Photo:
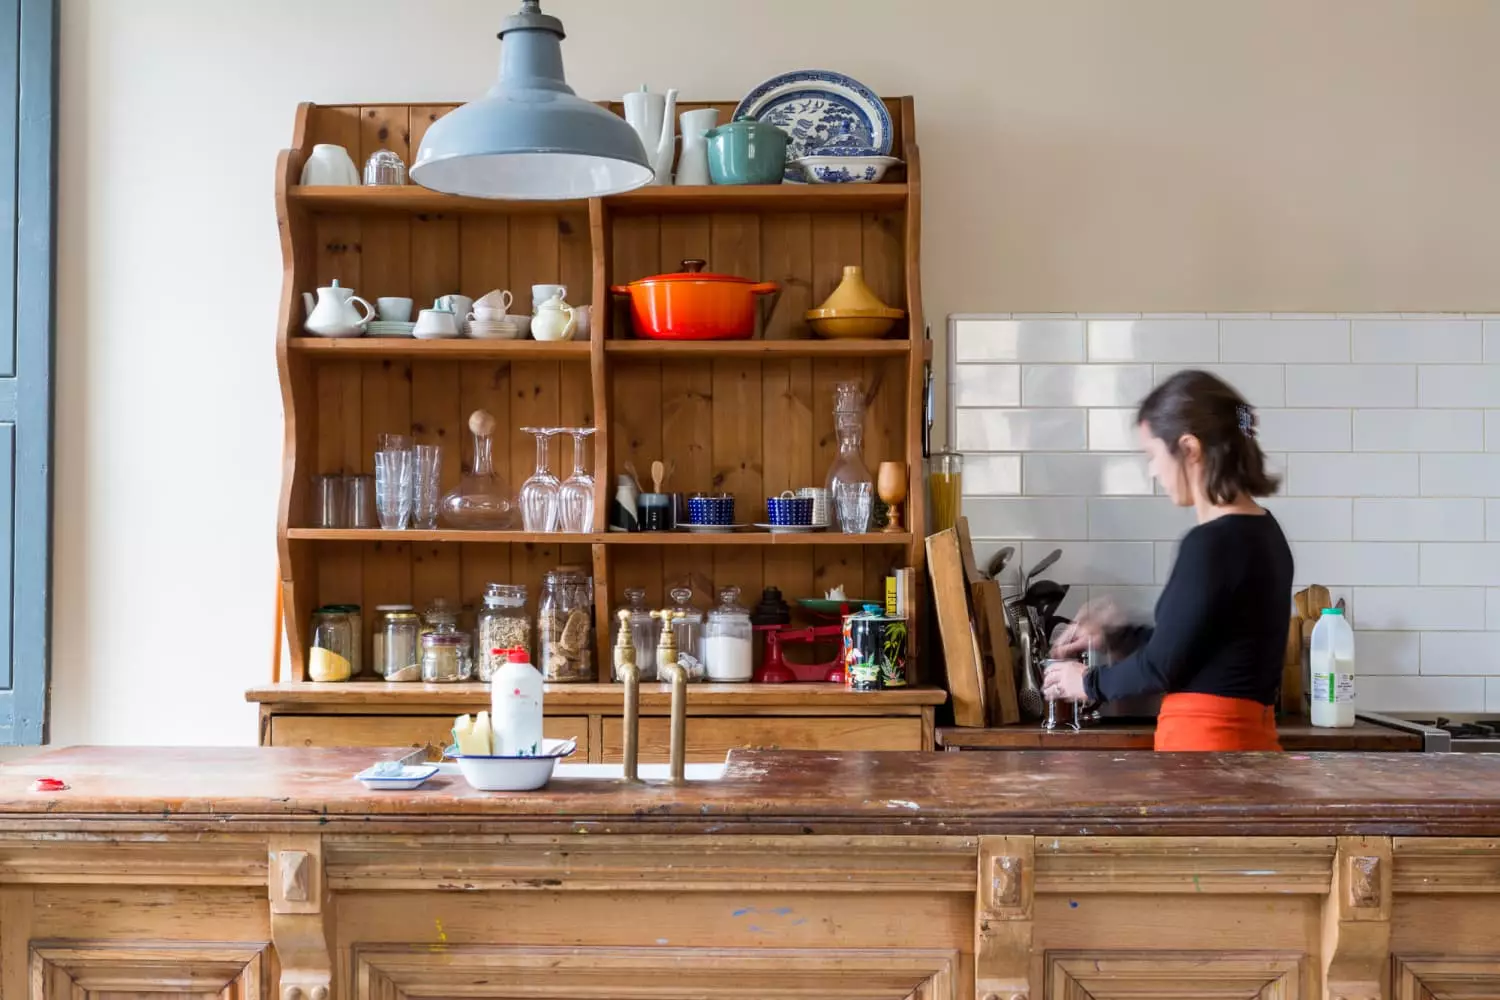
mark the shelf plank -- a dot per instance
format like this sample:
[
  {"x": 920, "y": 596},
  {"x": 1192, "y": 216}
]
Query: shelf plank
[
  {"x": 410, "y": 347},
  {"x": 744, "y": 538},
  {"x": 646, "y": 200},
  {"x": 352, "y": 696},
  {"x": 754, "y": 349}
]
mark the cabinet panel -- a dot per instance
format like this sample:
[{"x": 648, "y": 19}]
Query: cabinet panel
[
  {"x": 709, "y": 739},
  {"x": 114, "y": 971},
  {"x": 398, "y": 730}
]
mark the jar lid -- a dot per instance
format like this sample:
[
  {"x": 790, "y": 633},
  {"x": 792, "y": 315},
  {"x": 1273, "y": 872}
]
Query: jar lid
[
  {"x": 393, "y": 607},
  {"x": 729, "y": 606},
  {"x": 347, "y": 609},
  {"x": 402, "y": 616},
  {"x": 504, "y": 594},
  {"x": 445, "y": 639}
]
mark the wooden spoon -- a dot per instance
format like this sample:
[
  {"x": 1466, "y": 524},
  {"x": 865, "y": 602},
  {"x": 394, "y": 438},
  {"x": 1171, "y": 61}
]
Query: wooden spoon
[{"x": 658, "y": 472}]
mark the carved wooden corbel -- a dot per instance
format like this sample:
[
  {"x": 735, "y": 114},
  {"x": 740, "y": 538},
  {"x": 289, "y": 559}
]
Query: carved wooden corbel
[
  {"x": 299, "y": 917},
  {"x": 1003, "y": 913},
  {"x": 1357, "y": 920}
]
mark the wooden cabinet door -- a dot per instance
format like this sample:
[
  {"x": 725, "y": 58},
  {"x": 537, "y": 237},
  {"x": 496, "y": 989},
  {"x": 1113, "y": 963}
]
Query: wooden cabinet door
[
  {"x": 710, "y": 738},
  {"x": 399, "y": 731},
  {"x": 99, "y": 970}
]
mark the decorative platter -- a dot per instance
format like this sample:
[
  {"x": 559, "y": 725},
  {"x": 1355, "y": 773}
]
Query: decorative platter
[{"x": 824, "y": 114}]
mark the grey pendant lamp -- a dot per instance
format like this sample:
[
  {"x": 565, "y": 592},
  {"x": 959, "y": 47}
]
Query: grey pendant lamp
[{"x": 531, "y": 137}]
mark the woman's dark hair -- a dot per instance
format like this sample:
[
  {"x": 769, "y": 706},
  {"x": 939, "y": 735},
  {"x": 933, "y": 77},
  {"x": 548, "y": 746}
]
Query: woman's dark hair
[{"x": 1203, "y": 405}]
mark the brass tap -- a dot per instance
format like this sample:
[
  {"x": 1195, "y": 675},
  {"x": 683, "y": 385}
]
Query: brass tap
[
  {"x": 668, "y": 669},
  {"x": 628, "y": 672}
]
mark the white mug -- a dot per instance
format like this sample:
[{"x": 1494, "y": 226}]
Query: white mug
[
  {"x": 486, "y": 313},
  {"x": 435, "y": 324},
  {"x": 394, "y": 310},
  {"x": 541, "y": 293},
  {"x": 497, "y": 300}
]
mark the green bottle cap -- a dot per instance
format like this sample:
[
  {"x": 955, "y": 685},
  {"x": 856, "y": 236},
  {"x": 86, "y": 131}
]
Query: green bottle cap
[{"x": 1334, "y": 611}]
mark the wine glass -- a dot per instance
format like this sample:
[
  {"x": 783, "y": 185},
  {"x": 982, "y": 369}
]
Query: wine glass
[
  {"x": 539, "y": 493},
  {"x": 891, "y": 482},
  {"x": 576, "y": 496}
]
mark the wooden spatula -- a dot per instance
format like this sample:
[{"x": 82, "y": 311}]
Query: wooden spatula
[{"x": 658, "y": 473}]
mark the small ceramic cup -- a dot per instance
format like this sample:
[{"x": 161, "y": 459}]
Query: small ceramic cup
[
  {"x": 435, "y": 324},
  {"x": 460, "y": 306},
  {"x": 393, "y": 310},
  {"x": 789, "y": 510},
  {"x": 486, "y": 314},
  {"x": 821, "y": 505},
  {"x": 541, "y": 293},
  {"x": 498, "y": 299}
]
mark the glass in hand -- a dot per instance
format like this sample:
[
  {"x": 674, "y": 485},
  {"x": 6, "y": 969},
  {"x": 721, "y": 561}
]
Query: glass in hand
[
  {"x": 539, "y": 494},
  {"x": 576, "y": 495}
]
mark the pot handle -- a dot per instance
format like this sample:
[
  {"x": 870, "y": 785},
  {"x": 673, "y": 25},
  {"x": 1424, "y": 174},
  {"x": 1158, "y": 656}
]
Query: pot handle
[
  {"x": 772, "y": 289},
  {"x": 619, "y": 289}
]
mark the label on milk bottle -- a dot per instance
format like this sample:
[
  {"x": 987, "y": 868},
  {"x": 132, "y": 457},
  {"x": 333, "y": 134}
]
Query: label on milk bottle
[{"x": 1333, "y": 689}]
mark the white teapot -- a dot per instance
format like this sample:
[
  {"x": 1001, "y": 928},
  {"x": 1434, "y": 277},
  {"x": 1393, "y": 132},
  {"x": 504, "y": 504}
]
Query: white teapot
[
  {"x": 554, "y": 320},
  {"x": 333, "y": 313}
]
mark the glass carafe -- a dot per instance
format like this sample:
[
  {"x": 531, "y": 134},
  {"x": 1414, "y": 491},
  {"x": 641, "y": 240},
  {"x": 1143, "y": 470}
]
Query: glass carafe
[
  {"x": 482, "y": 501},
  {"x": 575, "y": 500},
  {"x": 539, "y": 494},
  {"x": 849, "y": 425}
]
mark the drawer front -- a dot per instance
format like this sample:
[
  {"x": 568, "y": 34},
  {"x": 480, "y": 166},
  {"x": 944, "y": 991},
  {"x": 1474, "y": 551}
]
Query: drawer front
[
  {"x": 398, "y": 731},
  {"x": 709, "y": 739}
]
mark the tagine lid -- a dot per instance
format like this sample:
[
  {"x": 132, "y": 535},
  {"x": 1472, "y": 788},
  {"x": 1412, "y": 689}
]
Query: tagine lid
[{"x": 853, "y": 295}]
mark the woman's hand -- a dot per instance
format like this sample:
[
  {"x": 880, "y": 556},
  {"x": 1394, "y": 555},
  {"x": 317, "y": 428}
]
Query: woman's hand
[
  {"x": 1064, "y": 681},
  {"x": 1089, "y": 628}
]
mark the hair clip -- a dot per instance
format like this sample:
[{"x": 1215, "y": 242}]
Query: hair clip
[{"x": 1247, "y": 419}]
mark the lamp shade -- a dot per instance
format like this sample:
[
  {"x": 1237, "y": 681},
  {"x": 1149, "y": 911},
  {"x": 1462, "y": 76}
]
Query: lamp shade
[{"x": 531, "y": 137}]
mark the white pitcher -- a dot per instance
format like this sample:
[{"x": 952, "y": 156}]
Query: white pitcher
[
  {"x": 692, "y": 162},
  {"x": 334, "y": 313},
  {"x": 651, "y": 115},
  {"x": 553, "y": 320},
  {"x": 328, "y": 164}
]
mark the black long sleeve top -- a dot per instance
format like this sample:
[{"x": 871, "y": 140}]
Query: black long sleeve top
[{"x": 1220, "y": 623}]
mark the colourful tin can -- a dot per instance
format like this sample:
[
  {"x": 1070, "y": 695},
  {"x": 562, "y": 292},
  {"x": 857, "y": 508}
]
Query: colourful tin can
[{"x": 874, "y": 650}]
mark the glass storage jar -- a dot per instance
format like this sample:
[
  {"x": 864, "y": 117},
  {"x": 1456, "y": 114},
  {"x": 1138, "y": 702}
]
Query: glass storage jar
[
  {"x": 503, "y": 625},
  {"x": 565, "y": 643},
  {"x": 330, "y": 655},
  {"x": 445, "y": 657},
  {"x": 687, "y": 631},
  {"x": 377, "y": 635},
  {"x": 397, "y": 645},
  {"x": 357, "y": 636},
  {"x": 645, "y": 632},
  {"x": 727, "y": 640}
]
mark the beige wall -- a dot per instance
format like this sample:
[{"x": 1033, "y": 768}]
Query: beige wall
[{"x": 1144, "y": 155}]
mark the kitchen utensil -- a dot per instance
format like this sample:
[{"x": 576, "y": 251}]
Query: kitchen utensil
[
  {"x": 853, "y": 310},
  {"x": 553, "y": 320},
  {"x": 539, "y": 494},
  {"x": 329, "y": 506},
  {"x": 823, "y": 113},
  {"x": 384, "y": 167},
  {"x": 393, "y": 309},
  {"x": 854, "y": 503},
  {"x": 658, "y": 471},
  {"x": 1046, "y": 562},
  {"x": 481, "y": 501},
  {"x": 693, "y": 304},
  {"x": 427, "y": 467},
  {"x": 745, "y": 151},
  {"x": 844, "y": 169},
  {"x": 334, "y": 313},
  {"x": 575, "y": 498},
  {"x": 692, "y": 158},
  {"x": 435, "y": 324},
  {"x": 393, "y": 483},
  {"x": 359, "y": 494},
  {"x": 788, "y": 510},
  {"x": 328, "y": 165},
  {"x": 891, "y": 480},
  {"x": 651, "y": 115}
]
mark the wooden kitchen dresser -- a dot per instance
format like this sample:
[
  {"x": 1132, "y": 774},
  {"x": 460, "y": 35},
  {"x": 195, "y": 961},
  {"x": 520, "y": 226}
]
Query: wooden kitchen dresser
[{"x": 748, "y": 417}]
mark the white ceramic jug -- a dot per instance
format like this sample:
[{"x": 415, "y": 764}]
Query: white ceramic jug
[
  {"x": 333, "y": 314},
  {"x": 553, "y": 320},
  {"x": 651, "y": 115},
  {"x": 329, "y": 164},
  {"x": 692, "y": 162}
]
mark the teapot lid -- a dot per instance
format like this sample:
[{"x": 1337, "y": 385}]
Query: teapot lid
[{"x": 692, "y": 270}]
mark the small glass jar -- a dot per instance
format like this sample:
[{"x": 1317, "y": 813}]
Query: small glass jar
[
  {"x": 564, "y": 633},
  {"x": 330, "y": 655},
  {"x": 357, "y": 635},
  {"x": 439, "y": 615},
  {"x": 397, "y": 646},
  {"x": 503, "y": 624},
  {"x": 728, "y": 642},
  {"x": 377, "y": 634},
  {"x": 645, "y": 632},
  {"x": 445, "y": 658},
  {"x": 687, "y": 631}
]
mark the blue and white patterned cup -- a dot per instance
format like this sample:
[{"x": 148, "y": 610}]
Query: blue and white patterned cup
[{"x": 789, "y": 510}]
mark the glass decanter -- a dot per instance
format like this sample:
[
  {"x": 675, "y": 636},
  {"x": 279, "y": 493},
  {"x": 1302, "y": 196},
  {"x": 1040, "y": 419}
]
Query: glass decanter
[
  {"x": 849, "y": 424},
  {"x": 539, "y": 494},
  {"x": 481, "y": 501},
  {"x": 575, "y": 499}
]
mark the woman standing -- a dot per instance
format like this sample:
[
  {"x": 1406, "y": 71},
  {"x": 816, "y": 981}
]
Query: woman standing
[{"x": 1221, "y": 622}]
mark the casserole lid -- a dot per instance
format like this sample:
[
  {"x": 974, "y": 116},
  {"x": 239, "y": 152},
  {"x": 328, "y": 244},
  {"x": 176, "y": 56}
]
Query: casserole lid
[{"x": 692, "y": 270}]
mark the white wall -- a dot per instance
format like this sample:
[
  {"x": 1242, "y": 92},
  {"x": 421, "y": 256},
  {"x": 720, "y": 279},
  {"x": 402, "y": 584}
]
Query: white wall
[{"x": 1077, "y": 154}]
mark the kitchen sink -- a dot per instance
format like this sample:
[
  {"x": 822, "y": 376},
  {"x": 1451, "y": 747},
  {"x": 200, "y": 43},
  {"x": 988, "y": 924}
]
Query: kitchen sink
[{"x": 648, "y": 772}]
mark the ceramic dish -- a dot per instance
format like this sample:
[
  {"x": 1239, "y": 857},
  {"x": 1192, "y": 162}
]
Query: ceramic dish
[
  {"x": 845, "y": 169},
  {"x": 789, "y": 529},
  {"x": 824, "y": 114},
  {"x": 506, "y": 329},
  {"x": 512, "y": 774},
  {"x": 823, "y": 606},
  {"x": 391, "y": 328},
  {"x": 852, "y": 323},
  {"x": 403, "y": 779},
  {"x": 712, "y": 529}
]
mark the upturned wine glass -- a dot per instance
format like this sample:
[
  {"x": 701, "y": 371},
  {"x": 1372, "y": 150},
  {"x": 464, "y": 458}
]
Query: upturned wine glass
[
  {"x": 539, "y": 494},
  {"x": 576, "y": 496}
]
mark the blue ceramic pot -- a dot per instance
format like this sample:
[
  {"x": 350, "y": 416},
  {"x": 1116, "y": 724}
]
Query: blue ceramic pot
[{"x": 746, "y": 151}]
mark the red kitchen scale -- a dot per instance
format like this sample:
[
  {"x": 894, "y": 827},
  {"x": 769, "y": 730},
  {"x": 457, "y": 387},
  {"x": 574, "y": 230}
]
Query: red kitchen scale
[{"x": 775, "y": 668}]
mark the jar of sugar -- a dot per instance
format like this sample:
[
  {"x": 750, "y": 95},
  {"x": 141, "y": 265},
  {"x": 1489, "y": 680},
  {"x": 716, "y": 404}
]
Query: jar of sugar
[{"x": 727, "y": 640}]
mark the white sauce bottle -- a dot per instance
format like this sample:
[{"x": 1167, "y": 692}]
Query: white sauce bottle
[
  {"x": 516, "y": 706},
  {"x": 1332, "y": 662}
]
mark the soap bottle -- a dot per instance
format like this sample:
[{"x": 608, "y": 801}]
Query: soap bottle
[{"x": 516, "y": 705}]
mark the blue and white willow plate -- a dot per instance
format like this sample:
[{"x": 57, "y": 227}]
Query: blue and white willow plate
[{"x": 824, "y": 113}]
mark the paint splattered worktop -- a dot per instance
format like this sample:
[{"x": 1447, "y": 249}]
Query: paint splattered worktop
[{"x": 793, "y": 792}]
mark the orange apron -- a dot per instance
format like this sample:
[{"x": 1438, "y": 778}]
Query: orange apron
[{"x": 1200, "y": 722}]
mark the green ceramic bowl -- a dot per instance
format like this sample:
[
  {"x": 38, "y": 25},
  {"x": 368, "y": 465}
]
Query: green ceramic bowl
[{"x": 746, "y": 151}]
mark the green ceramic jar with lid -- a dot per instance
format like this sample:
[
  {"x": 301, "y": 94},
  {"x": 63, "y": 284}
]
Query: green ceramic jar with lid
[{"x": 746, "y": 151}]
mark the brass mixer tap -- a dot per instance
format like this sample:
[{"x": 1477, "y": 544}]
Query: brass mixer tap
[
  {"x": 628, "y": 671},
  {"x": 669, "y": 669}
]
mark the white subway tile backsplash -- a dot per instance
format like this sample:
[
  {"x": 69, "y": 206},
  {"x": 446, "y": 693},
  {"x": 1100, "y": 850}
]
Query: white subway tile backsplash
[
  {"x": 1416, "y": 609},
  {"x": 1026, "y": 517},
  {"x": 1492, "y": 340},
  {"x": 1313, "y": 519},
  {"x": 1492, "y": 430},
  {"x": 1418, "y": 430},
  {"x": 1093, "y": 563},
  {"x": 1393, "y": 341},
  {"x": 1113, "y": 430},
  {"x": 1021, "y": 430},
  {"x": 1351, "y": 475},
  {"x": 1284, "y": 341},
  {"x": 1372, "y": 564},
  {"x": 1137, "y": 603},
  {"x": 1420, "y": 694},
  {"x": 1303, "y": 430},
  {"x": 1461, "y": 475},
  {"x": 1351, "y": 385},
  {"x": 992, "y": 475},
  {"x": 986, "y": 385},
  {"x": 1386, "y": 519},
  {"x": 1492, "y": 618},
  {"x": 1143, "y": 519},
  {"x": 1261, "y": 385},
  {"x": 1084, "y": 385},
  {"x": 1461, "y": 565},
  {"x": 1458, "y": 385},
  {"x": 1154, "y": 340},
  {"x": 1458, "y": 653},
  {"x": 1085, "y": 474},
  {"x": 1387, "y": 654},
  {"x": 1492, "y": 520},
  {"x": 1028, "y": 341},
  {"x": 1492, "y": 694}
]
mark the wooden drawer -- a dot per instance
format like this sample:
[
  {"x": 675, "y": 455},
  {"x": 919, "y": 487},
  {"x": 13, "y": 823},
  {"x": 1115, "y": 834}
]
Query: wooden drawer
[
  {"x": 710, "y": 738},
  {"x": 398, "y": 731}
]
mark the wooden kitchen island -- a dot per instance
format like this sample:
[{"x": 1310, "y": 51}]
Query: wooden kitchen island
[{"x": 267, "y": 872}]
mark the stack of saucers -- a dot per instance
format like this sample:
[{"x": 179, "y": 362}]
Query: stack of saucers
[
  {"x": 509, "y": 328},
  {"x": 390, "y": 328}
]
